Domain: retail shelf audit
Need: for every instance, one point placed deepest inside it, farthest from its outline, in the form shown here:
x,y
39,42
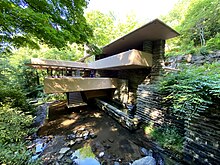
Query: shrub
x,y
14,126
203,50
214,43
191,90
14,154
15,97
168,137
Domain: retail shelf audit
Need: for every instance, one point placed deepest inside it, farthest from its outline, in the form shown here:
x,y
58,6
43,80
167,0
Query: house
x,y
124,73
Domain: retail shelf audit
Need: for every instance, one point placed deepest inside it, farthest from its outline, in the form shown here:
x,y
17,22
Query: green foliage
x,y
192,90
214,43
15,154
202,15
15,98
198,23
86,152
203,50
102,25
13,71
107,28
53,97
30,22
14,126
168,137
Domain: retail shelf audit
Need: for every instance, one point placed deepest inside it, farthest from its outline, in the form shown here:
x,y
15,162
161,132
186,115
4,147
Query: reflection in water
x,y
84,156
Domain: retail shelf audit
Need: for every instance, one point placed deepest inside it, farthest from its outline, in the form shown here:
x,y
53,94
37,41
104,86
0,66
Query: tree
x,y
198,23
54,22
106,27
202,21
129,24
103,25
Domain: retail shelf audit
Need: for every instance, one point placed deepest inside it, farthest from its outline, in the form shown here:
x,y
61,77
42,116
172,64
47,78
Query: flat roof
x,y
154,30
127,60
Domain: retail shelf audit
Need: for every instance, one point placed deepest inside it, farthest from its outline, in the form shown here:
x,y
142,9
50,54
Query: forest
x,y
60,29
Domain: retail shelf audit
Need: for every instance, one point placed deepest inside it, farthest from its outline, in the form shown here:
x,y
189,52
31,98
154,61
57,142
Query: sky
x,y
143,9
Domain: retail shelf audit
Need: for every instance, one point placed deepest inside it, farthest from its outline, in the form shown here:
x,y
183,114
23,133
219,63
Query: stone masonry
x,y
148,96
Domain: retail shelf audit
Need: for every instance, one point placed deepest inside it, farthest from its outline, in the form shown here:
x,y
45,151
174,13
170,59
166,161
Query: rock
x,y
41,115
179,58
34,157
101,154
71,136
39,147
79,140
70,143
85,134
75,155
69,161
116,163
69,153
81,128
60,156
64,150
86,137
150,153
111,140
107,146
188,58
79,135
148,160
93,136
144,151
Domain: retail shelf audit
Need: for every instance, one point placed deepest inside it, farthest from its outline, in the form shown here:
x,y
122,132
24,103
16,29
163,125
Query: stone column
x,y
148,96
158,59
148,46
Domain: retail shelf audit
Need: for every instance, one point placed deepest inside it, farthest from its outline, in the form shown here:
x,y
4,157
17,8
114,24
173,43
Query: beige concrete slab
x,y
57,63
72,84
131,59
126,60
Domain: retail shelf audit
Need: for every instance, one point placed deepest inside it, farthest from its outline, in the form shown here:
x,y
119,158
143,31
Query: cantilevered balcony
x,y
74,84
130,59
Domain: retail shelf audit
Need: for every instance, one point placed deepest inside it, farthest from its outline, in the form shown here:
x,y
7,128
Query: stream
x,y
87,134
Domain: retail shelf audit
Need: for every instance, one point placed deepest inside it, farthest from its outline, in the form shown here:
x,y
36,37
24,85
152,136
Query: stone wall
x,y
148,97
148,104
134,77
202,138
189,59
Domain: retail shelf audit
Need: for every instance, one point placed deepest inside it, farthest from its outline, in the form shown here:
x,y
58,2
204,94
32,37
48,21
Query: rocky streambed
x,y
87,135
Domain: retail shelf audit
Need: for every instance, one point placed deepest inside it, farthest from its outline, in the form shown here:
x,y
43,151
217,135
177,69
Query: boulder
x,y
148,160
64,150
